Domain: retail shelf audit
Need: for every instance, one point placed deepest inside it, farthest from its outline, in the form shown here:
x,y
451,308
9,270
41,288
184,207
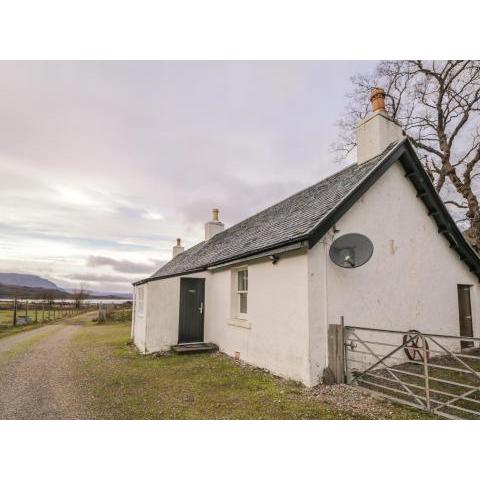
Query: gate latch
x,y
351,345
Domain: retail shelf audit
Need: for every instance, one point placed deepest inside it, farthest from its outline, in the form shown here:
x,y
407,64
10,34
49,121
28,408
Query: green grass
x,y
122,384
120,315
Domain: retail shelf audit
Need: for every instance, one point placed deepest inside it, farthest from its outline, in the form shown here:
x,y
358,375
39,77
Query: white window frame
x,y
239,315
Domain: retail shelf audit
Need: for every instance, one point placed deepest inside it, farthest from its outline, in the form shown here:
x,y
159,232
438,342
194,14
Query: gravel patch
x,y
353,400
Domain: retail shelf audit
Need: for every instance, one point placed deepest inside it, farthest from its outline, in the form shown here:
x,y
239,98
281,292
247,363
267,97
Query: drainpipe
x,y
326,245
325,298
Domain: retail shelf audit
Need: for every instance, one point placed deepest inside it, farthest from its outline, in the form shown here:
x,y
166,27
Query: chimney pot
x,y
177,248
214,226
377,99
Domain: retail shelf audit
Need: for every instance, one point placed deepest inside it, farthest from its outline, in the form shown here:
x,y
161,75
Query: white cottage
x,y
266,289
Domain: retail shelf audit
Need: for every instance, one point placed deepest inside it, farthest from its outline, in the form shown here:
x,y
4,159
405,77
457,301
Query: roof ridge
x,y
329,177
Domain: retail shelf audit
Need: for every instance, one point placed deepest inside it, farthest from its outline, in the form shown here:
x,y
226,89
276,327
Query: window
x,y
242,293
140,294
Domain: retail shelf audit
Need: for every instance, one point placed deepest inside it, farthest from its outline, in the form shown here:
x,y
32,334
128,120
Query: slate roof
x,y
286,222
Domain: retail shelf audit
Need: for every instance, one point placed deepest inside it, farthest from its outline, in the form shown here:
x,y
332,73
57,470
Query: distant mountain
x,y
11,291
22,285
27,280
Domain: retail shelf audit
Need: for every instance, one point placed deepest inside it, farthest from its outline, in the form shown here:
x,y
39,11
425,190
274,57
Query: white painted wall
x,y
409,283
163,314
275,334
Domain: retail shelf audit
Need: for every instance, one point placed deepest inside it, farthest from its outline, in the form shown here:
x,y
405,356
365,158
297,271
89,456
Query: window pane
x,y
242,280
243,302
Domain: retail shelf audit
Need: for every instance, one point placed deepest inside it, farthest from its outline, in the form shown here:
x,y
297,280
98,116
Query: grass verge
x,y
122,384
6,332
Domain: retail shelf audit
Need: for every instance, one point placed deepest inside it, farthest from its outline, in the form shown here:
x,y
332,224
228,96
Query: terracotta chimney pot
x,y
377,98
215,214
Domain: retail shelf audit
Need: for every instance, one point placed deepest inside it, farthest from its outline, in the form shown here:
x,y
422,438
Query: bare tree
x,y
438,104
79,295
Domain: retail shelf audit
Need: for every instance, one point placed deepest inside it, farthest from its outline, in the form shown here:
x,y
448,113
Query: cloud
x,y
109,160
88,277
152,215
123,266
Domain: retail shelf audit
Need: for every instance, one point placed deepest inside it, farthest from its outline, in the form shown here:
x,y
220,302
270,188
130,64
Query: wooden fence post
x,y
336,353
15,312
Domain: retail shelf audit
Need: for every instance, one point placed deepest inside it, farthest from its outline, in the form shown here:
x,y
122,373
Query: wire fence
x,y
20,313
24,312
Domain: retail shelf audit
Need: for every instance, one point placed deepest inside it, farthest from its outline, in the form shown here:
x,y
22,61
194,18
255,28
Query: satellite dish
x,y
351,250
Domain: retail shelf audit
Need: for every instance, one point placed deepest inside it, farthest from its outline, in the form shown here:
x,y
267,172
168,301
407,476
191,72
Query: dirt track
x,y
35,373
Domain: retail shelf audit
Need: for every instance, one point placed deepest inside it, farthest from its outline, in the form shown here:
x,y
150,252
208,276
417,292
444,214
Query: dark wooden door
x,y
192,306
465,314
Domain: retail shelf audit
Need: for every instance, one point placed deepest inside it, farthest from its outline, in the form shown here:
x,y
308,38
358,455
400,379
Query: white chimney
x,y
377,131
177,248
214,226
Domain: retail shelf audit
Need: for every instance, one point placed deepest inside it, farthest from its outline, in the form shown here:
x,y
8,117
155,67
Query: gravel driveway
x,y
35,373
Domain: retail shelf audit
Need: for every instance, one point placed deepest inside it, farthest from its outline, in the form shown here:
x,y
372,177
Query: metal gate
x,y
435,373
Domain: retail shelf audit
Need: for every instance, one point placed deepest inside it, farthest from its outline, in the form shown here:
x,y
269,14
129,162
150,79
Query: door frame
x,y
201,281
463,316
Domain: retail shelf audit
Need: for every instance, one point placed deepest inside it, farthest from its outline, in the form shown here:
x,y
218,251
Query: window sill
x,y
238,322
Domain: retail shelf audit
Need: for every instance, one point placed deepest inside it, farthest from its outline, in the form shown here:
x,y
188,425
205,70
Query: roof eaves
x,y
437,209
161,277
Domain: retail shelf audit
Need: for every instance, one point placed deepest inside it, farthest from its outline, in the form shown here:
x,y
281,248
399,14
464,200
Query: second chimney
x,y
214,226
177,248
376,131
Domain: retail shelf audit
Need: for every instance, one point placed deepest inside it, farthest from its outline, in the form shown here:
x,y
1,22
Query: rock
x,y
23,320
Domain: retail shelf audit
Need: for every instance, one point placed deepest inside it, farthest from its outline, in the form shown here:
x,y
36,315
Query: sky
x,y
104,164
